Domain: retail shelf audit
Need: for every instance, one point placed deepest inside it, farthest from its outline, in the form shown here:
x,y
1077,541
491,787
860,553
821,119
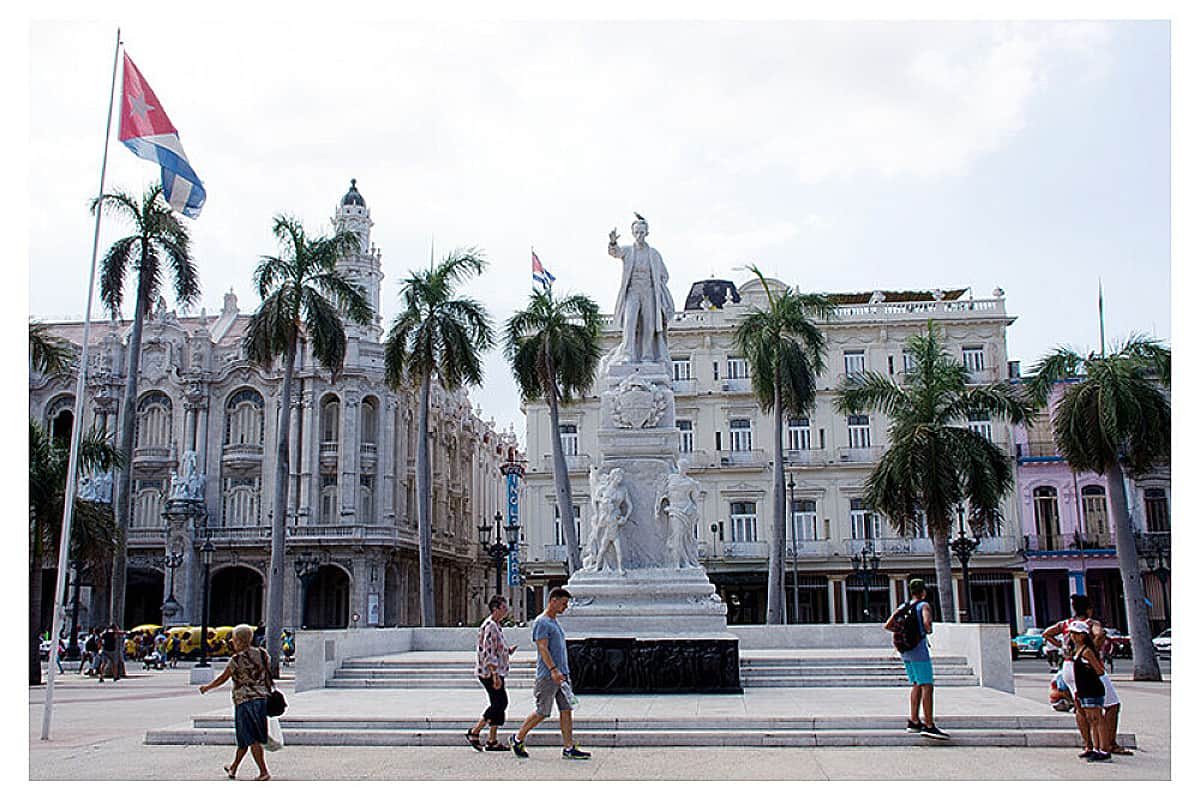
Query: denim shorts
x,y
1089,701
920,672
250,722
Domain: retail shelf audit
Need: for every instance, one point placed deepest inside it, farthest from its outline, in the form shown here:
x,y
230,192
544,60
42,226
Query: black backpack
x,y
909,630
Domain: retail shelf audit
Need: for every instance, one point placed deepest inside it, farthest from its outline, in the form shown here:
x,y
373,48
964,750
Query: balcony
x,y
1040,450
736,385
997,545
575,463
250,535
858,454
152,454
368,454
743,457
145,535
684,387
805,457
897,545
328,453
809,549
241,454
554,553
759,550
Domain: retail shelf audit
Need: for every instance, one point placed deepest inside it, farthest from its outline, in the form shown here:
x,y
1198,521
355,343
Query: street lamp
x,y
791,484
497,548
172,561
206,556
306,566
963,549
866,566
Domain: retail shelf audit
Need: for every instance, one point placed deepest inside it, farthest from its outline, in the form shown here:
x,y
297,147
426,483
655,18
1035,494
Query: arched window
x,y
331,412
329,498
154,421
244,418
147,504
60,418
366,499
1095,513
240,502
370,422
1045,516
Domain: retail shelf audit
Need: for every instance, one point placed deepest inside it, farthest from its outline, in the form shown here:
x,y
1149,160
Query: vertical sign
x,y
512,472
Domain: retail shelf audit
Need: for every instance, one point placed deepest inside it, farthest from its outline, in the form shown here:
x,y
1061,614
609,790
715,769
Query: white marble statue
x,y
588,555
680,500
96,487
644,303
187,483
612,507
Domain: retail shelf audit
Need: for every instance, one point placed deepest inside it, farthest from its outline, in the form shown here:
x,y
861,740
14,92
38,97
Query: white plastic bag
x,y
274,735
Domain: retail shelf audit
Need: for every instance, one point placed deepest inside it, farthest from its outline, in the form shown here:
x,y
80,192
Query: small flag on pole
x,y
540,273
148,132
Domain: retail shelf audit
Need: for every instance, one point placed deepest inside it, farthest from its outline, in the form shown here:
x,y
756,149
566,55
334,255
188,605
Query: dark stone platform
x,y
654,665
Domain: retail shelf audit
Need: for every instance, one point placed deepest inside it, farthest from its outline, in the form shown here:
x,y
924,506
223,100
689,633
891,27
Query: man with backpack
x,y
910,626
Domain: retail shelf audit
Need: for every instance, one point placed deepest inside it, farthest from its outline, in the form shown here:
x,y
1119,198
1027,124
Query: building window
x,y
855,361
154,421
244,418
736,368
329,498
569,434
366,499
558,529
973,358
686,435
1045,516
147,504
240,501
1095,513
910,361
331,412
799,434
804,519
370,421
740,439
681,368
981,424
920,526
863,523
743,521
860,431
1158,515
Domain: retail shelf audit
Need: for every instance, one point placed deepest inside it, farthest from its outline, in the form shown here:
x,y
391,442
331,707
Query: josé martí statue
x,y
644,303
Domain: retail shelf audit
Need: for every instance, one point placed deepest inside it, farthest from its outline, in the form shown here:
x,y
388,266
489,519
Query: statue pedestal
x,y
649,626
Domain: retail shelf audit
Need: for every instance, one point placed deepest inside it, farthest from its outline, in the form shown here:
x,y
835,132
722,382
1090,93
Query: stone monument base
x,y
641,602
677,664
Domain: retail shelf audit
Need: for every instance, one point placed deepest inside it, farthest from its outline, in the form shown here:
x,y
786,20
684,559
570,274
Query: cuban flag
x,y
540,273
148,132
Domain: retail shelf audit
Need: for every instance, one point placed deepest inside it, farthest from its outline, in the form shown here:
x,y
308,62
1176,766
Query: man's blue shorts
x,y
920,672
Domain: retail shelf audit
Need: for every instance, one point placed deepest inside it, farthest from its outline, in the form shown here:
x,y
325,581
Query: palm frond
x,y
48,353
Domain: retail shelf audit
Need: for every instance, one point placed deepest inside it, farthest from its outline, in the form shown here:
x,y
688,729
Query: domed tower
x,y
363,268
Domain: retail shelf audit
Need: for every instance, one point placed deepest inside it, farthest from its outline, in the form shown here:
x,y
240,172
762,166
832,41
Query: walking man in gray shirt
x,y
551,686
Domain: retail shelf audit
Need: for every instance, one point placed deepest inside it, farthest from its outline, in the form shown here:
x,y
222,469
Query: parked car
x,y
1030,643
1120,642
1162,643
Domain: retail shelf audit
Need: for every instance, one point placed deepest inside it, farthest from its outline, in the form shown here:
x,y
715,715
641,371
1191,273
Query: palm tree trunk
x,y
1145,661
121,490
35,610
944,570
562,482
775,560
424,511
279,513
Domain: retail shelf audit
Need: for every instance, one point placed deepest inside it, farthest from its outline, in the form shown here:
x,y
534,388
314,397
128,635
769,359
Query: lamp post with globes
x,y
497,548
206,556
963,548
866,566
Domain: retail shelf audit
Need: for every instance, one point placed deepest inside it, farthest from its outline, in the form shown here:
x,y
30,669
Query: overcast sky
x,y
837,156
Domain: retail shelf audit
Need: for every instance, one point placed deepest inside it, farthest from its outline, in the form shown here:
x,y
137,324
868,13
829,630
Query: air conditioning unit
x,y
843,456
725,461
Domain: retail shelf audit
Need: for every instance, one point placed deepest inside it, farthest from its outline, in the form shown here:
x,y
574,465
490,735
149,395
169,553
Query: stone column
x,y
189,426
385,464
348,459
309,491
294,466
202,438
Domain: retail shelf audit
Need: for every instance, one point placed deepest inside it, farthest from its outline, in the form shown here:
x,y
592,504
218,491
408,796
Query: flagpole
x,y
1100,293
64,540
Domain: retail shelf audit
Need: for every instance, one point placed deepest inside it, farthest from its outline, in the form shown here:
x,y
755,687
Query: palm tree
x,y
1114,413
786,352
437,335
92,524
48,353
553,347
933,463
158,236
302,292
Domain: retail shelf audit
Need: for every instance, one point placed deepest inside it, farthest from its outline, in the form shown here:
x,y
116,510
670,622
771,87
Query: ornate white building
x,y
727,441
352,502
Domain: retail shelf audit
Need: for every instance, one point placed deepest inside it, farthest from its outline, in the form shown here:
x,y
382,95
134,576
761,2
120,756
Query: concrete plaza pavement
x,y
99,731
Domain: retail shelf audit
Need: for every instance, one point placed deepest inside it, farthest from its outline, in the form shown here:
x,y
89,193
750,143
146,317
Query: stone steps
x,y
723,731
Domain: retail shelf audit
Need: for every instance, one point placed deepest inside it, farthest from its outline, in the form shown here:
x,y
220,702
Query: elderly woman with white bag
x,y
252,685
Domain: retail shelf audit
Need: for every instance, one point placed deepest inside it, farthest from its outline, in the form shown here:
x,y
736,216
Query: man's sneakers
x,y
930,731
1097,756
575,753
913,726
518,747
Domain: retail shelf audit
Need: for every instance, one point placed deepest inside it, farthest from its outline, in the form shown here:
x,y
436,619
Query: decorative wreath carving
x,y
638,403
